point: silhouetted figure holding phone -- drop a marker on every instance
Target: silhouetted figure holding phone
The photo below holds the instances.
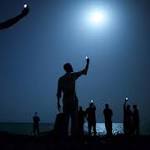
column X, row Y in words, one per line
column 127, row 122
column 36, row 120
column 108, row 119
column 81, row 116
column 91, row 118
column 14, row 20
column 136, row 120
column 66, row 86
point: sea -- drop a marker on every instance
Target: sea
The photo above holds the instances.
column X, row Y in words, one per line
column 26, row 128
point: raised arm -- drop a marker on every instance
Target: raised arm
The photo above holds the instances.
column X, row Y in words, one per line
column 14, row 20
column 84, row 71
column 124, row 105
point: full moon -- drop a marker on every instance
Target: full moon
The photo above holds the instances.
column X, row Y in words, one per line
column 96, row 17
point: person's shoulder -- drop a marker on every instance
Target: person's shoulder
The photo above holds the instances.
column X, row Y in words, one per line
column 76, row 73
column 62, row 77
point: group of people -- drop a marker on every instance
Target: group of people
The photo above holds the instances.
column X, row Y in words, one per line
column 66, row 86
column 90, row 115
column 66, row 91
column 131, row 119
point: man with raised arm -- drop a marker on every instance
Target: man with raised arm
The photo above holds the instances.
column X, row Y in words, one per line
column 66, row 86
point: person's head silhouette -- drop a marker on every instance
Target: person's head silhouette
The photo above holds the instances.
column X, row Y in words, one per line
column 106, row 106
column 68, row 67
column 36, row 113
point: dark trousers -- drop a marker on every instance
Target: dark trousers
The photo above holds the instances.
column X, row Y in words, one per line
column 92, row 124
column 36, row 130
column 108, row 126
column 74, row 123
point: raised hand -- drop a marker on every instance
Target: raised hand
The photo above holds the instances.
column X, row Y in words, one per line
column 25, row 10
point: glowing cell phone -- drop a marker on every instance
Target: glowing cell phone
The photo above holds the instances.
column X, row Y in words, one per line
column 92, row 101
column 25, row 5
column 86, row 57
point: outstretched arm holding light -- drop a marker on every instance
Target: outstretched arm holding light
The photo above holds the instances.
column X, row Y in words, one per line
column 69, row 82
column 125, row 103
column 84, row 71
column 87, row 66
column 14, row 20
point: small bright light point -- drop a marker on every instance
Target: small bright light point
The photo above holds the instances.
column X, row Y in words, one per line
column 25, row 5
column 126, row 98
column 92, row 101
column 86, row 57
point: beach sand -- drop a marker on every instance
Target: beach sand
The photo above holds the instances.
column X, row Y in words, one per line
column 47, row 141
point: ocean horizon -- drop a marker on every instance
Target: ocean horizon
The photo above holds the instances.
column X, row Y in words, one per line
column 26, row 128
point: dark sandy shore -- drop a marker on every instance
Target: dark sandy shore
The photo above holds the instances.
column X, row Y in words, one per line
column 46, row 141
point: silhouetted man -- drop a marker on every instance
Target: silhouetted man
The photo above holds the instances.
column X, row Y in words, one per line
column 14, row 20
column 108, row 119
column 91, row 118
column 127, row 122
column 36, row 120
column 136, row 120
column 66, row 86
column 81, row 116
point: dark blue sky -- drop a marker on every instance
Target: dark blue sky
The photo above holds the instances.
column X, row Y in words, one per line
column 33, row 52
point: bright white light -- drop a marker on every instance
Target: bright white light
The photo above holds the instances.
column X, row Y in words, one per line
column 86, row 57
column 92, row 101
column 25, row 5
column 96, row 17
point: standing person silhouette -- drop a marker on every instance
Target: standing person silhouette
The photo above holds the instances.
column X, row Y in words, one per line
column 136, row 120
column 127, row 120
column 91, row 117
column 66, row 86
column 8, row 23
column 108, row 119
column 36, row 120
column 81, row 116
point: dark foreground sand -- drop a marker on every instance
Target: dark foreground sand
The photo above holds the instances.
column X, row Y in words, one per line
column 46, row 141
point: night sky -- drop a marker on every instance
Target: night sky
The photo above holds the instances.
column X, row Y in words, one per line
column 33, row 51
